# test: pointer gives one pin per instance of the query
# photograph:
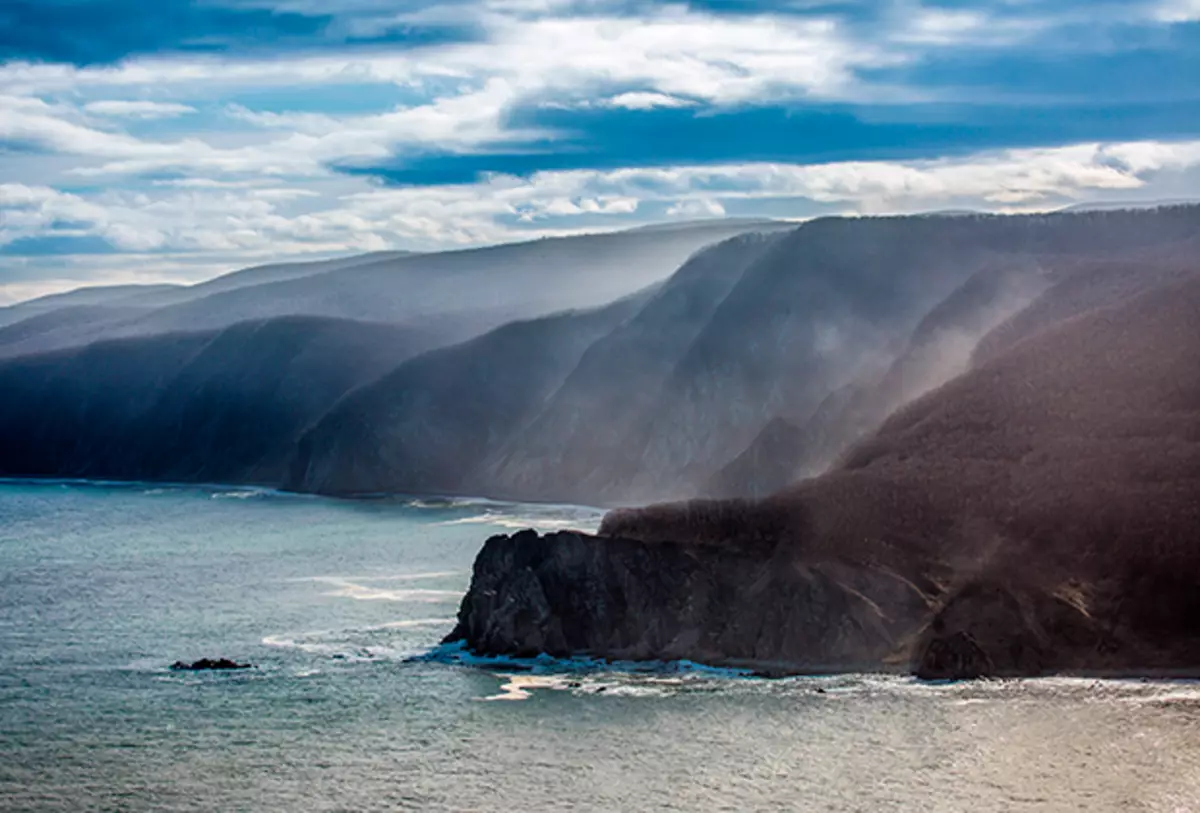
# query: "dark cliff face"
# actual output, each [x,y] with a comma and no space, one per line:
[1041,510]
[568,594]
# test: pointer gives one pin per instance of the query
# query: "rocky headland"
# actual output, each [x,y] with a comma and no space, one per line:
[1038,514]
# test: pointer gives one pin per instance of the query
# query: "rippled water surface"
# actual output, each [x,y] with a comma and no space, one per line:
[102,587]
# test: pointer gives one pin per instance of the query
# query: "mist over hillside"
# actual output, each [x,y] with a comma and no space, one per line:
[764,357]
[757,363]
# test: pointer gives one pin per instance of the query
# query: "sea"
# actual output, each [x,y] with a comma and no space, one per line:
[353,704]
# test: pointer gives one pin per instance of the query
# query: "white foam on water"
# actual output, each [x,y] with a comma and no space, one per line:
[521,523]
[341,650]
[520,687]
[391,577]
[415,622]
[442,503]
[361,592]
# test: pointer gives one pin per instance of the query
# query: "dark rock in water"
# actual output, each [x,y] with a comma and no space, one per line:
[206,664]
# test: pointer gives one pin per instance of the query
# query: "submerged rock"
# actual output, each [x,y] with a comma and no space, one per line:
[205,664]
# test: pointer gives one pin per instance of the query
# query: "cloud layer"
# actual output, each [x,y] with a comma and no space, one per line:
[178,139]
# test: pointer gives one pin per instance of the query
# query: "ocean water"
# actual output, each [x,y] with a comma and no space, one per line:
[340,605]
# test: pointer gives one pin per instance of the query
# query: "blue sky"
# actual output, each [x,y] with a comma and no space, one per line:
[173,140]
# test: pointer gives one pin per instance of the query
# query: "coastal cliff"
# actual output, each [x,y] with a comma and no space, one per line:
[566,594]
[1036,515]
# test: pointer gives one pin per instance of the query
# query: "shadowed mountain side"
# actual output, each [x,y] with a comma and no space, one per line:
[939,349]
[478,289]
[1044,505]
[426,426]
[212,407]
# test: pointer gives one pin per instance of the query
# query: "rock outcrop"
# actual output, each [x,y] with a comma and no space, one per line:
[568,594]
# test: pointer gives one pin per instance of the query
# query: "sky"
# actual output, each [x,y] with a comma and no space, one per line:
[172,140]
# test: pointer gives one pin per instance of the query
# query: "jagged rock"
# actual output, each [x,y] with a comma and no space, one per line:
[207,664]
[570,594]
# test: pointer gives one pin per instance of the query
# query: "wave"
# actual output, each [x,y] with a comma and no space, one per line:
[152,487]
[361,592]
[520,523]
[241,494]
[442,503]
[357,644]
[354,589]
[457,654]
[392,577]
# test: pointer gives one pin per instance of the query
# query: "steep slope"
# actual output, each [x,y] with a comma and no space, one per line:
[1043,505]
[836,301]
[216,407]
[427,426]
[260,275]
[578,447]
[96,312]
[939,349]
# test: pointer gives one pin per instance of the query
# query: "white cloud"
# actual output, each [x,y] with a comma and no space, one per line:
[696,207]
[223,225]
[256,184]
[1178,11]
[636,100]
[203,215]
[137,109]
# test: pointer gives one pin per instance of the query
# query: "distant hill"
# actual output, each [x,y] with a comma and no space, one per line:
[80,297]
[477,289]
